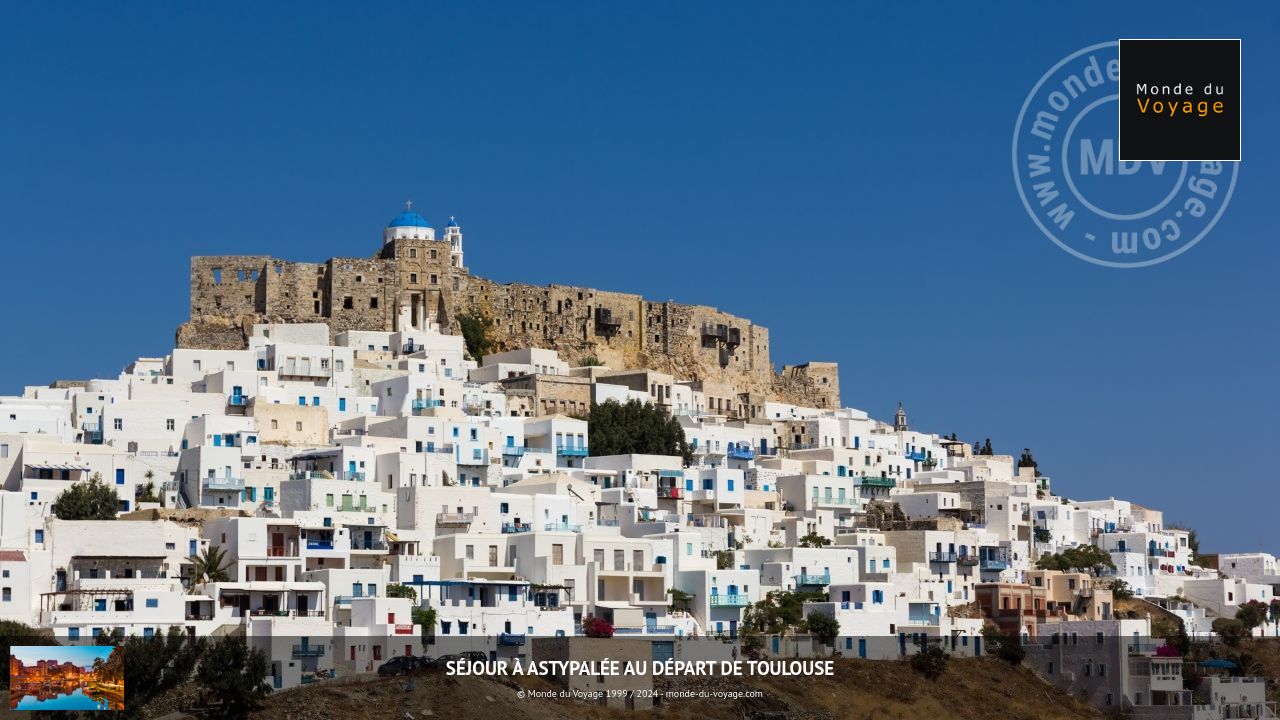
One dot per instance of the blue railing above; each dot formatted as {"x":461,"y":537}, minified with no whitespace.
{"x":317,"y":545}
{"x":511,"y":639}
{"x":513,"y":451}
{"x":807,"y":579}
{"x":237,"y":401}
{"x":736,"y":600}
{"x":308,"y":650}
{"x":845,"y":604}
{"x":741,"y":453}
{"x":567,"y":451}
{"x":918,"y":456}
{"x":424,"y":403}
{"x":516,"y":527}
{"x":994,"y":565}
{"x":342,"y":599}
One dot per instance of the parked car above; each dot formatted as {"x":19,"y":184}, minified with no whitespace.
{"x":425,"y":661}
{"x":444,"y":660}
{"x":474,"y":656}
{"x":401,"y":665}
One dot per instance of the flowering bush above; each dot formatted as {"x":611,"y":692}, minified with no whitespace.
{"x":1167,"y":650}
{"x":595,"y":627}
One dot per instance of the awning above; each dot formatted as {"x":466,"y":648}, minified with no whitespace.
{"x":57,"y":466}
{"x":391,"y":537}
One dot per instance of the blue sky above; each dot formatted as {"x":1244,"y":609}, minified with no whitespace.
{"x":82,"y":655}
{"x":839,"y":174}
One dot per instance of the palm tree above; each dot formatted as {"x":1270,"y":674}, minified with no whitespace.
{"x":209,"y":566}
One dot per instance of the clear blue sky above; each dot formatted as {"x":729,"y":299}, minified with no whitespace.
{"x":82,"y":655}
{"x":859,"y":156}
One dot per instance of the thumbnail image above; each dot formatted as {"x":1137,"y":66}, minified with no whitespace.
{"x":51,"y":677}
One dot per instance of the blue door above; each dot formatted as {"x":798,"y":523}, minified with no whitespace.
{"x":977,"y":644}
{"x":862,"y":647}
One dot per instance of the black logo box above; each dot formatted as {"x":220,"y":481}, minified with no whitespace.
{"x":1192,"y":65}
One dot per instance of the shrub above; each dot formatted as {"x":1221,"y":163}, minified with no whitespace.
{"x":930,"y":662}
{"x":594,"y":627}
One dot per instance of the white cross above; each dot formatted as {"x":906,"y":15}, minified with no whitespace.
{"x":408,"y":205}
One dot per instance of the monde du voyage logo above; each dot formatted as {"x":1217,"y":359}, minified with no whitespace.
{"x":1166,"y":191}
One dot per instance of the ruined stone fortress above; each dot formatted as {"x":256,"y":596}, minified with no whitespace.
{"x":413,"y":269}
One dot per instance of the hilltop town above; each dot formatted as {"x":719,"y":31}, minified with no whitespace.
{"x":363,"y":459}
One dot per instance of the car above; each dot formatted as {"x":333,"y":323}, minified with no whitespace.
{"x":474,"y":656}
{"x":402,"y":665}
{"x":425,"y":661}
{"x":444,"y":660}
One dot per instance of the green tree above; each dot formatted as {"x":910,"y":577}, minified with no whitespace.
{"x":234,"y":676}
{"x":635,"y":428}
{"x":425,"y":617}
{"x":1084,"y":558}
{"x":814,"y":540}
{"x":92,"y":500}
{"x":1231,"y":631}
{"x":724,"y":559}
{"x":402,"y":591}
{"x":1120,"y":590}
{"x":824,"y":626}
{"x":1028,"y":460}
{"x":1252,"y":614}
{"x":209,"y":566}
{"x":778,"y":612}
{"x":1004,"y":646}
{"x":156,"y":665}
{"x":475,"y":333}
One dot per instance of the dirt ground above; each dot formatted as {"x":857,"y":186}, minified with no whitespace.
{"x":970,"y":689}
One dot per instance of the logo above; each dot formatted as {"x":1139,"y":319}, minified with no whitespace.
{"x":1103,"y":210}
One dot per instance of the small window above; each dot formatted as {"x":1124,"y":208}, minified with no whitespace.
{"x":348,"y":303}
{"x":373,"y":303}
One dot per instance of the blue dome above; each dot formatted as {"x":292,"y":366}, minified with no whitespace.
{"x":452,"y":222}
{"x":408,"y":218}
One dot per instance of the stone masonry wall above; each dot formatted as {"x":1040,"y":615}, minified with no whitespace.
{"x":621,"y":330}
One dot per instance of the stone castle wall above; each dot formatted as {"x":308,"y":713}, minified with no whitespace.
{"x":622,"y":330}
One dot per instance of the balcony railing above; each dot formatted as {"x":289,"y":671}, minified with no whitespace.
{"x":516,"y":528}
{"x":824,"y":500}
{"x":673,"y":493}
{"x":735,"y":600}
{"x":995,"y":565}
{"x":567,"y":451}
{"x":917,"y":456}
{"x":282,"y":551}
{"x":741,"y":453}
{"x":308,"y":651}
{"x":369,"y":545}
{"x":223,"y":484}
{"x":454,"y":519}
{"x":319,"y":544}
{"x":942,"y":557}
{"x":511,"y":639}
{"x":426,"y":403}
{"x":513,"y":451}
{"x":879,"y":482}
{"x":563,"y":527}
{"x":304,"y":370}
{"x":967,"y":559}
{"x":93,"y":432}
{"x":807,"y":579}
{"x":237,"y":401}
